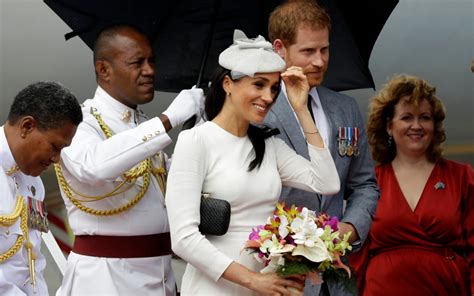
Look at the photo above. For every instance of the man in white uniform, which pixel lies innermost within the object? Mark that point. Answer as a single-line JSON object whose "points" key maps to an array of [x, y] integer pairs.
{"points": [[42, 120], [112, 177]]}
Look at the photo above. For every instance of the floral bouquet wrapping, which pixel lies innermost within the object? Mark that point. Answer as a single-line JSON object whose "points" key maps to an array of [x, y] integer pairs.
{"points": [[299, 241]]}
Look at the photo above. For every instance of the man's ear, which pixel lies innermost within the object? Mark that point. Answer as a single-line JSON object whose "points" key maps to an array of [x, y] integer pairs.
{"points": [[103, 70], [279, 48], [27, 124]]}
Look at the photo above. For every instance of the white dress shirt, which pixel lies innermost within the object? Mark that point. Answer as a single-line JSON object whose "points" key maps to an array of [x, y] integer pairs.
{"points": [[14, 272]]}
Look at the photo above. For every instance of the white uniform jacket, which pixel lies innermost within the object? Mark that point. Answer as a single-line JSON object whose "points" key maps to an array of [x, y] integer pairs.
{"points": [[14, 272], [93, 165]]}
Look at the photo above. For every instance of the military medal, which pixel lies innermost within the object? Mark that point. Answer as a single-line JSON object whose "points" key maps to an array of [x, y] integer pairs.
{"points": [[341, 141], [31, 214], [356, 141], [349, 150], [44, 217], [37, 215]]}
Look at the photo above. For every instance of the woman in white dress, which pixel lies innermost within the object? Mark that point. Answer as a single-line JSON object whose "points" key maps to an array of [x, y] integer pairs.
{"points": [[232, 159]]}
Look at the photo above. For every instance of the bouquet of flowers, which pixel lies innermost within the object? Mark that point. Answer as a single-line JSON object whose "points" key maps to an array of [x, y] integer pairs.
{"points": [[299, 241]]}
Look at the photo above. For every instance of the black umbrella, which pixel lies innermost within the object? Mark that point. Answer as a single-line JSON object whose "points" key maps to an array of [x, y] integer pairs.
{"points": [[188, 45], [188, 35], [356, 26], [87, 17]]}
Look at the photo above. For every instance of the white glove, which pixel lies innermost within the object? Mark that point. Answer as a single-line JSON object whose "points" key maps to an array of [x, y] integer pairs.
{"points": [[189, 102]]}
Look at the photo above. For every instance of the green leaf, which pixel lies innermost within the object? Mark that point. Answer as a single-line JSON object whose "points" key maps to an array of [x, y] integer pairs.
{"points": [[340, 276], [296, 267]]}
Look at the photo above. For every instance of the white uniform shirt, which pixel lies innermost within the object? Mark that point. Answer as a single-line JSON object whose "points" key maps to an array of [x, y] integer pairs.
{"points": [[93, 165], [14, 272]]}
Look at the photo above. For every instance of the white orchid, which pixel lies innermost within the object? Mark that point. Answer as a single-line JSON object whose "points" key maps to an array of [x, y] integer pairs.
{"points": [[305, 231], [274, 246], [266, 245], [307, 237], [316, 252], [283, 228], [276, 260], [299, 241], [308, 214], [258, 258]]}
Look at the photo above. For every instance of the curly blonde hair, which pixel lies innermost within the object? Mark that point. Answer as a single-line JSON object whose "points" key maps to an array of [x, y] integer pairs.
{"points": [[381, 111]]}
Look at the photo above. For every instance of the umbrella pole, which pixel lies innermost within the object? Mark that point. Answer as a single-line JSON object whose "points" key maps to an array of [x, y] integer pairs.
{"points": [[192, 121]]}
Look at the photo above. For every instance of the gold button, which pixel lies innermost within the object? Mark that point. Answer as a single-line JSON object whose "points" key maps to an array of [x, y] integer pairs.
{"points": [[7, 232], [144, 139], [157, 133]]}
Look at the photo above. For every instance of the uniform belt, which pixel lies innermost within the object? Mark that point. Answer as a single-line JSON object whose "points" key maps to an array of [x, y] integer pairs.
{"points": [[123, 246]]}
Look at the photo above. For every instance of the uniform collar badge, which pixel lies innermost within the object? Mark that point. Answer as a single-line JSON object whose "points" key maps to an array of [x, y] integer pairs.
{"points": [[12, 170], [126, 116]]}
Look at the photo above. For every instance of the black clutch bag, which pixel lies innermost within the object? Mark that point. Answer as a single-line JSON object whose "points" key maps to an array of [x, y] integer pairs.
{"points": [[215, 215]]}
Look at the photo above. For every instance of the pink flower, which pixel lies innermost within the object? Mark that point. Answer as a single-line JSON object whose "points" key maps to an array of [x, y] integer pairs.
{"points": [[301, 237], [254, 235], [332, 222]]}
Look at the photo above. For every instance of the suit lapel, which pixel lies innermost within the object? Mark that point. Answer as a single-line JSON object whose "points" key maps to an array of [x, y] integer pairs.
{"points": [[334, 117], [290, 125]]}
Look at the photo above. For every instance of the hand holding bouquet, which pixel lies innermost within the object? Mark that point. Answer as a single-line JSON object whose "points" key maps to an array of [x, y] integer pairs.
{"points": [[299, 241]]}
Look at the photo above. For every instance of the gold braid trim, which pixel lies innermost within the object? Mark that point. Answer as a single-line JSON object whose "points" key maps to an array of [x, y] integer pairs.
{"points": [[135, 172], [143, 169], [24, 228], [10, 219], [160, 173], [69, 193]]}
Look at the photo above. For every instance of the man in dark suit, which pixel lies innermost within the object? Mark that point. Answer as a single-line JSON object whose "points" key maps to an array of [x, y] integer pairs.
{"points": [[299, 31]]}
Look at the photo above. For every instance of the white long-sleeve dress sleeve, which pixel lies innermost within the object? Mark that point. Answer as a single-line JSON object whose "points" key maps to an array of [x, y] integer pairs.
{"points": [[208, 159]]}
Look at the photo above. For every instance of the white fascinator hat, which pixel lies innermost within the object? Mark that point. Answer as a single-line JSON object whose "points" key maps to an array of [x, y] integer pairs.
{"points": [[247, 56]]}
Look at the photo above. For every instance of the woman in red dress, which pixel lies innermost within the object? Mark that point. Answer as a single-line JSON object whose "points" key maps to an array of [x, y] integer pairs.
{"points": [[422, 237]]}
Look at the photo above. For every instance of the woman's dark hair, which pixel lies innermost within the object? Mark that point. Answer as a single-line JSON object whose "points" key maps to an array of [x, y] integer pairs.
{"points": [[215, 98]]}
